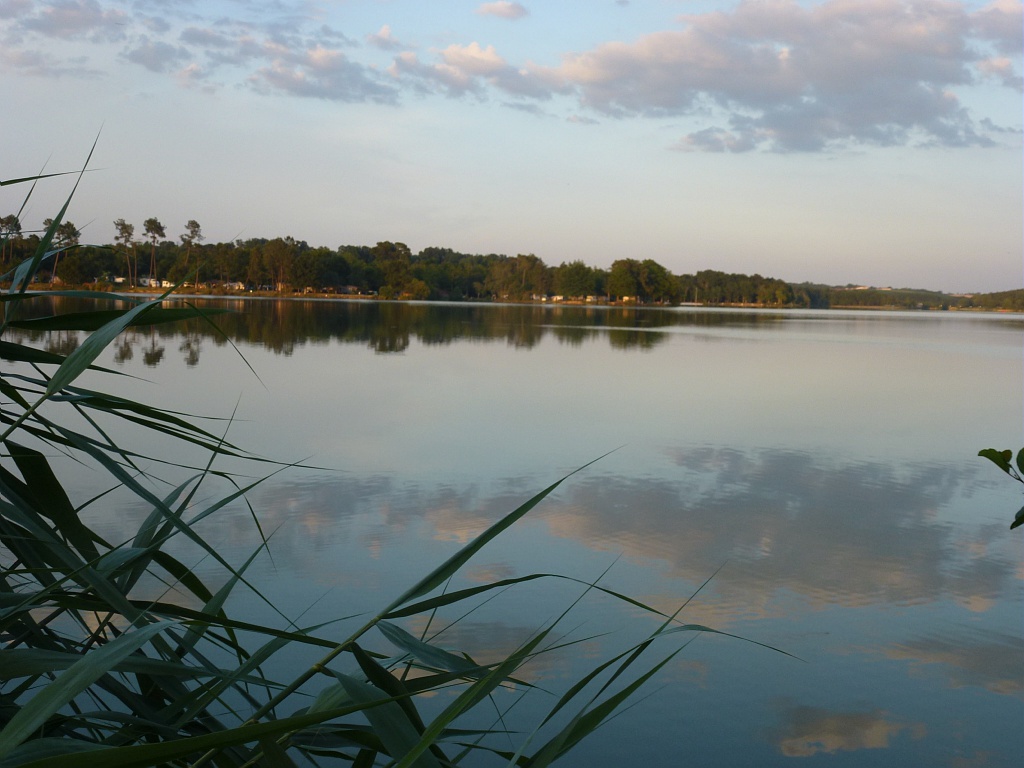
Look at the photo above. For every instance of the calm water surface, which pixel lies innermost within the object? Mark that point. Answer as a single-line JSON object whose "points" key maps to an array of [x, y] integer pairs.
{"points": [[821, 466]]}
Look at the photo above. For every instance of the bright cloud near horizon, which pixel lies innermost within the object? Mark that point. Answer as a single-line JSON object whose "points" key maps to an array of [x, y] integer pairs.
{"points": [[837, 141]]}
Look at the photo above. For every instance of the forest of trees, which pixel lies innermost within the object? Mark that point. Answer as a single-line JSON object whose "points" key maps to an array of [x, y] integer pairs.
{"points": [[390, 270]]}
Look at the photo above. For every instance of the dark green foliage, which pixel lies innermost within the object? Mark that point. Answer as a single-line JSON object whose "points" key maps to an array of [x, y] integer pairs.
{"points": [[391, 270], [1014, 468]]}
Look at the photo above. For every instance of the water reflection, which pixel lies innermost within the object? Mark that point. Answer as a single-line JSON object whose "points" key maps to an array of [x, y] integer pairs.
{"points": [[822, 461], [854, 535], [838, 533], [387, 327], [990, 660], [810, 730]]}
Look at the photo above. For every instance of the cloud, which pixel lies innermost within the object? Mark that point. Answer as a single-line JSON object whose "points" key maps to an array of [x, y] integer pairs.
{"points": [[1001, 23], [989, 661], [322, 73], [70, 19], [205, 38], [383, 39], [503, 10], [769, 75], [795, 78], [42, 65], [194, 76], [772, 75], [811, 730], [745, 508], [469, 68], [11, 9], [1001, 68], [717, 140], [156, 56]]}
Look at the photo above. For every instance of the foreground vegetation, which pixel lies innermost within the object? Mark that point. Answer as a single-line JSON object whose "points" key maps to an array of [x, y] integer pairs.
{"points": [[116, 653], [391, 270]]}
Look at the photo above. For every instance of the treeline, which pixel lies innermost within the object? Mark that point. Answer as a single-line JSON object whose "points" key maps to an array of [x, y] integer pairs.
{"points": [[390, 270]]}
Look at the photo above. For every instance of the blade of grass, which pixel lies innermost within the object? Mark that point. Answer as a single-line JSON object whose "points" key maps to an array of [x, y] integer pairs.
{"points": [[71, 683]]}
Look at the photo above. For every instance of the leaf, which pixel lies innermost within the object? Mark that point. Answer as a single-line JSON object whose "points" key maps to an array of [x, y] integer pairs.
{"points": [[389, 722], [274, 755], [1018, 519], [472, 696], [430, 655], [1020, 460], [1000, 458], [38, 749], [23, 179], [79, 676], [49, 498], [162, 753], [19, 353]]}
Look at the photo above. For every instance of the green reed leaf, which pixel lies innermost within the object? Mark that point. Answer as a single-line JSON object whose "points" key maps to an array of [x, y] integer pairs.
{"points": [[69, 684]]}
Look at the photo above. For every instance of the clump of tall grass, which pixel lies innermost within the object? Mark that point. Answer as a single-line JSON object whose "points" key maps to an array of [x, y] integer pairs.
{"points": [[92, 669]]}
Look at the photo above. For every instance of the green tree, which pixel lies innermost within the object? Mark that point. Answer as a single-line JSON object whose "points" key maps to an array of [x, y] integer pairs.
{"points": [[533, 276], [575, 280], [10, 230], [394, 262], [656, 282], [76, 268], [125, 238], [193, 237], [154, 231], [278, 259], [64, 237], [623, 279]]}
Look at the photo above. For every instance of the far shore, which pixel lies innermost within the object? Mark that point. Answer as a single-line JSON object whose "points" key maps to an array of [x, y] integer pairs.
{"points": [[597, 302]]}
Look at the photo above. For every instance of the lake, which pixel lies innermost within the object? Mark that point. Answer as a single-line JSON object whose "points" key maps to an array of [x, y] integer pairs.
{"points": [[818, 469]]}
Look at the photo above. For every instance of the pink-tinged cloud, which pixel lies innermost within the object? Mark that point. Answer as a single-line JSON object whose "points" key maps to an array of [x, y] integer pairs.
{"points": [[790, 77], [1002, 22], [384, 40], [470, 68], [321, 73], [70, 19], [503, 10]]}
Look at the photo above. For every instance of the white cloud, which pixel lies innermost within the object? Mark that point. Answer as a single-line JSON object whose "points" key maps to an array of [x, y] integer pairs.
{"points": [[503, 9], [789, 77], [321, 73], [1002, 69], [1001, 22], [474, 60], [193, 76], [764, 74], [471, 68], [384, 40]]}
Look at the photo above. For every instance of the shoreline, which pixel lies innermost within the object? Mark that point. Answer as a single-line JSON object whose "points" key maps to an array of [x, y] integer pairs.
{"points": [[289, 296]]}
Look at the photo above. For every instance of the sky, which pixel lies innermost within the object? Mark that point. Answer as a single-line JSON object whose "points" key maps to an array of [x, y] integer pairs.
{"points": [[874, 142]]}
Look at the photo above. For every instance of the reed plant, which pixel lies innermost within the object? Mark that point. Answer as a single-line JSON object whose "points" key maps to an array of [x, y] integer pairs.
{"points": [[95, 671]]}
